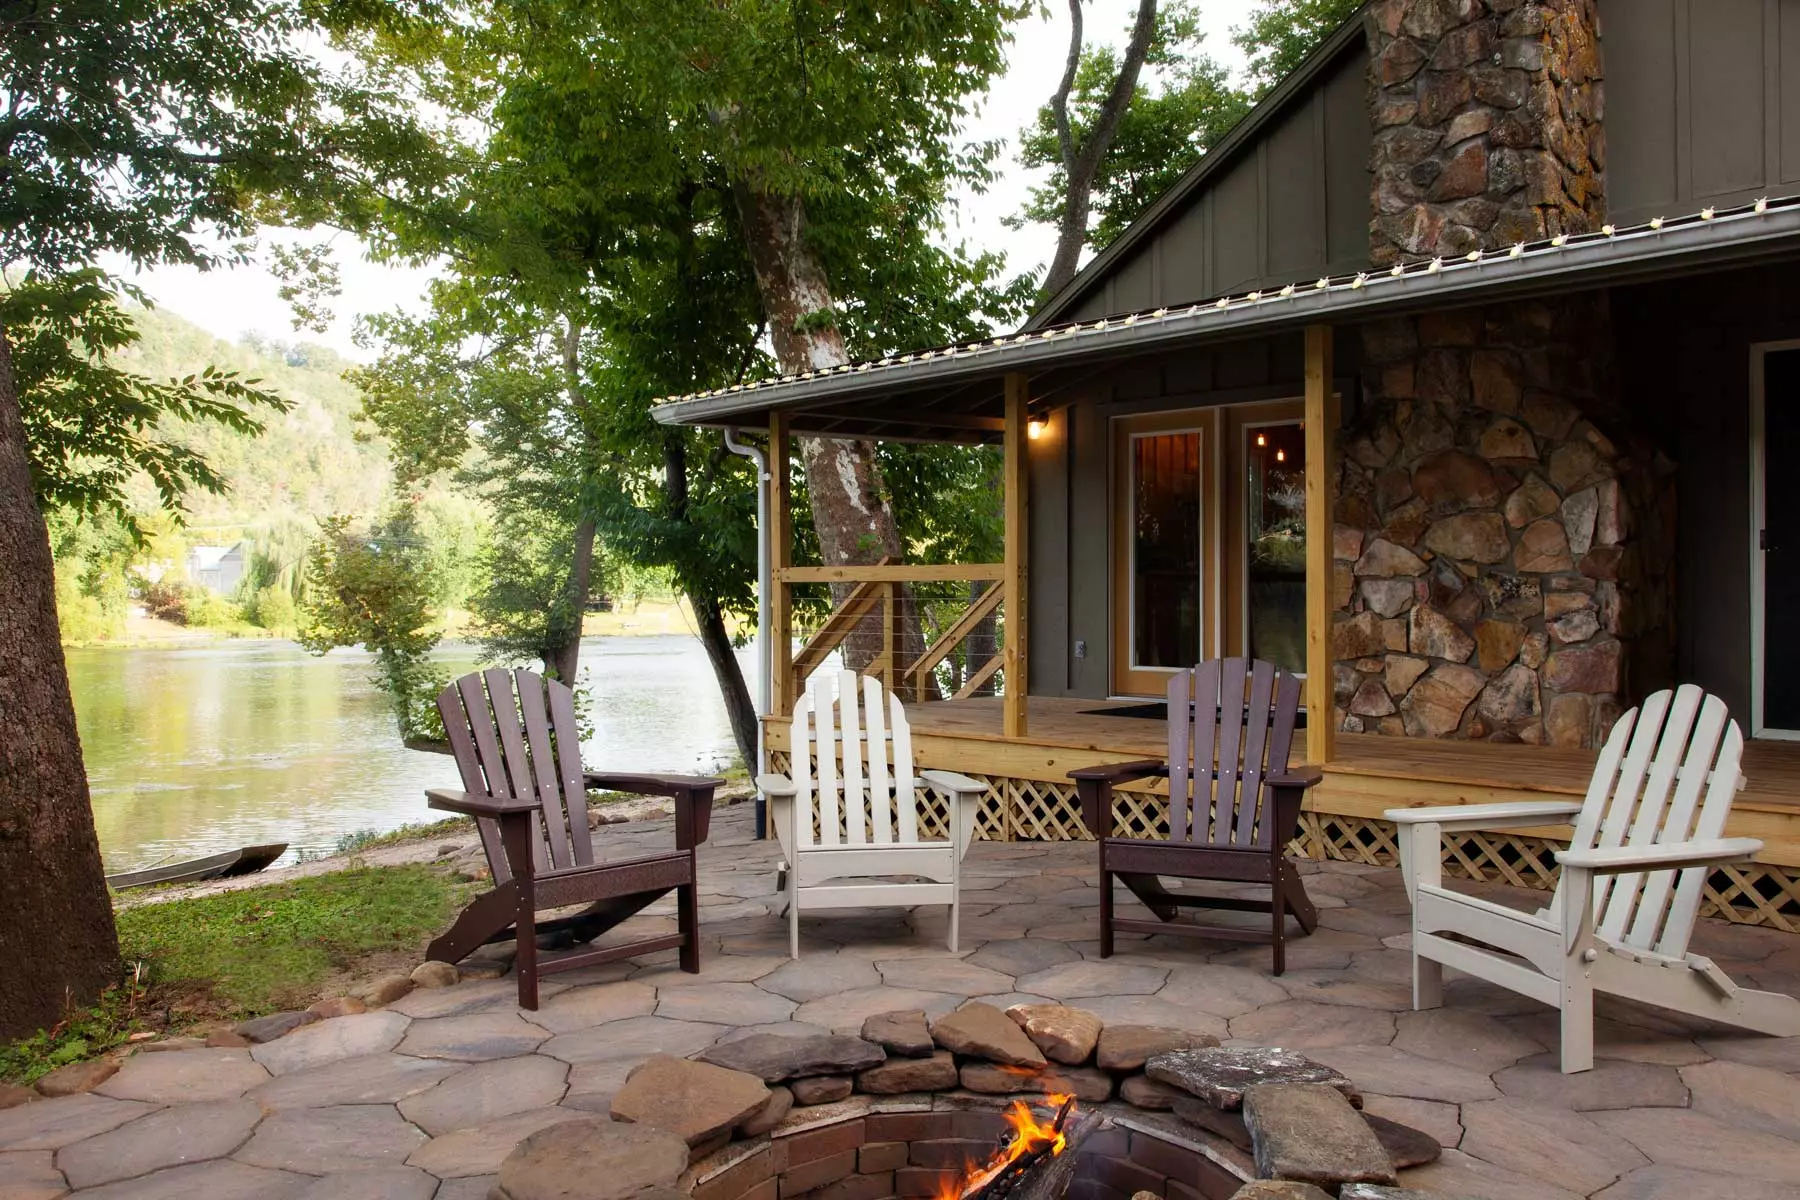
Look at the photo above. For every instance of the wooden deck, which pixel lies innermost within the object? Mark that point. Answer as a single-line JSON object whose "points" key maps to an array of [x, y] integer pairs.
{"points": [[1369, 774]]}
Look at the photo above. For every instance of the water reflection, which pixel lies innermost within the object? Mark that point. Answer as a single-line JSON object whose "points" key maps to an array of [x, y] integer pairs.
{"points": [[198, 749]]}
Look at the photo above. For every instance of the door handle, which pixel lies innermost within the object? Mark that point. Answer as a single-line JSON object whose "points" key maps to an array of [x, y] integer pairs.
{"points": [[1764, 541]]}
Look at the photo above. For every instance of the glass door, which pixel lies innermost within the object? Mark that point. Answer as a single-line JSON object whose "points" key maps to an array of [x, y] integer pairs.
{"points": [[1162, 548], [1272, 462]]}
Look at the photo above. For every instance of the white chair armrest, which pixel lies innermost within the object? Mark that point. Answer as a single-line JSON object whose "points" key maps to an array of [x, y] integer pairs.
{"points": [[949, 782], [1614, 859], [1461, 817], [775, 785]]}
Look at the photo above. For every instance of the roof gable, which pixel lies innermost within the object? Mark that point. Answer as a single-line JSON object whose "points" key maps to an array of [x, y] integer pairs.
{"points": [[1284, 195]]}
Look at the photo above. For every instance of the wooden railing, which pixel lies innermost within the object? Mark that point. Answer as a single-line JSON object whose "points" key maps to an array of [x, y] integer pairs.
{"points": [[912, 649]]}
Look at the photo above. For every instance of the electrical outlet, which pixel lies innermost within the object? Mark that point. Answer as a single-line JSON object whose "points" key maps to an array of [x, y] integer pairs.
{"points": [[1080, 649]]}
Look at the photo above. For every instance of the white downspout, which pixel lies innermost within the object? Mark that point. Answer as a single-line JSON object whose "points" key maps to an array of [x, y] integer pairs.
{"points": [[764, 581]]}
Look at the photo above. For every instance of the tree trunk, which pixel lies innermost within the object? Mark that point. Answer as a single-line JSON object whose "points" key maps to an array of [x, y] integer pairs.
{"points": [[57, 943], [729, 673], [1082, 164], [850, 508], [564, 659]]}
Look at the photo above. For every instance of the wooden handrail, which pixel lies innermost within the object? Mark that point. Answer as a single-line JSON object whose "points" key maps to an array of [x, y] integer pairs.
{"points": [[896, 573], [952, 637], [836, 628]]}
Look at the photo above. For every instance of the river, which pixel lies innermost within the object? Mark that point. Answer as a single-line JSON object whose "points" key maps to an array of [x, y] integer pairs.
{"points": [[196, 749]]}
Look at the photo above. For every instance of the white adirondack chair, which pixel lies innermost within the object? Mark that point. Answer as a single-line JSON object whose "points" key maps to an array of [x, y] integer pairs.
{"points": [[847, 832], [1650, 828]]}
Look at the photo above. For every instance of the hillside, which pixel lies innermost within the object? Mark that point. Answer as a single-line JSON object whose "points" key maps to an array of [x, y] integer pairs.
{"points": [[308, 463]]}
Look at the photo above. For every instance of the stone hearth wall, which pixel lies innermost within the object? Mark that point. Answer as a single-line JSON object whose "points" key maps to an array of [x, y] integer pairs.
{"points": [[1487, 124], [1495, 510]]}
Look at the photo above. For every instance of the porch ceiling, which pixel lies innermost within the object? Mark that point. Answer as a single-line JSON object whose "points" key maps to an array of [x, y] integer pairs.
{"points": [[956, 393]]}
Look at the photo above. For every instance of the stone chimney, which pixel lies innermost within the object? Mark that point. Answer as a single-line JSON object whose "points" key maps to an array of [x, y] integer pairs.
{"points": [[1502, 537], [1487, 124]]}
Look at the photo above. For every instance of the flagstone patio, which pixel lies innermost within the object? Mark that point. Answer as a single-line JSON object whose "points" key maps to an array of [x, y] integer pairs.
{"points": [[424, 1098]]}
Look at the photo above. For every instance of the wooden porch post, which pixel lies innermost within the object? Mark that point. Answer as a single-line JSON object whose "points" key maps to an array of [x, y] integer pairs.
{"points": [[1321, 431], [781, 556], [1018, 511]]}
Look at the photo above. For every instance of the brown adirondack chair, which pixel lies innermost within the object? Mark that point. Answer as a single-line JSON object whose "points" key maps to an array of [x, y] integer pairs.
{"points": [[1233, 806], [514, 737]]}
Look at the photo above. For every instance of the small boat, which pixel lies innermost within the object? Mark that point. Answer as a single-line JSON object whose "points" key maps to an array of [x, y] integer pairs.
{"points": [[246, 860]]}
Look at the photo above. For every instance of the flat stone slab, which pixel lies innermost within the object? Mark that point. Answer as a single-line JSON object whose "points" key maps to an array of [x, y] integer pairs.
{"points": [[1065, 1035], [383, 1183], [1613, 1083], [1023, 956], [696, 1101], [1074, 979], [486, 1092], [724, 1003], [983, 1031], [1129, 1047], [320, 1141], [467, 998], [633, 1038], [221, 1179], [1220, 1075], [1396, 1073], [900, 1075], [1469, 1039], [905, 1033], [1305, 1025], [1562, 1148], [822, 1089], [185, 1077], [1406, 1146], [368, 1079], [954, 975], [187, 1133], [1221, 990], [477, 1037], [480, 1150], [597, 1004], [267, 1029], [1308, 1132], [1746, 1096], [53, 1124], [332, 1041], [993, 1079], [774, 1057], [848, 1010], [774, 1110], [567, 1160], [1141, 1091], [1218, 1122], [1278, 1189], [30, 1175]]}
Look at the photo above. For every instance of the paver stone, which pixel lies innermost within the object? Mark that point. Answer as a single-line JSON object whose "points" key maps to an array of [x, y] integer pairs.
{"points": [[696, 1100], [267, 1029], [566, 1160], [1071, 980], [954, 975], [367, 1079], [809, 978], [904, 1033], [186, 1133], [481, 1150], [185, 1077], [221, 1179], [320, 1141], [724, 1004], [30, 1175], [476, 1037], [332, 1041], [383, 1183], [53, 1124], [486, 1092], [1562, 1148], [1747, 1097], [1613, 1083], [597, 1004], [634, 1038], [774, 1057]]}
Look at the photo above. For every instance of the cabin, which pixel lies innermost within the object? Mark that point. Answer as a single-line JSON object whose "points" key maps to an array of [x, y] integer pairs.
{"points": [[218, 569], [1458, 377]]}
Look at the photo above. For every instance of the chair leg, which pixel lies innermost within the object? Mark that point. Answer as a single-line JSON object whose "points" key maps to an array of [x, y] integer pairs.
{"points": [[793, 914], [1577, 1022], [1106, 910], [955, 918], [1278, 921], [1428, 981], [687, 907]]}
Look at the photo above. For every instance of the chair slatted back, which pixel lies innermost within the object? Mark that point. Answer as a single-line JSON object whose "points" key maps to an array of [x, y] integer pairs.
{"points": [[513, 734], [1239, 714], [847, 792], [1668, 773]]}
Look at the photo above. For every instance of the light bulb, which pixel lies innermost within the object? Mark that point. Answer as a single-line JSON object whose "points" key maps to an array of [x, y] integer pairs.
{"points": [[1034, 429], [1281, 456], [1262, 439]]}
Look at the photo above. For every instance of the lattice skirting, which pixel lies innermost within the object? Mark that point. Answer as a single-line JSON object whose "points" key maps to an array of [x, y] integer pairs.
{"points": [[1016, 810]]}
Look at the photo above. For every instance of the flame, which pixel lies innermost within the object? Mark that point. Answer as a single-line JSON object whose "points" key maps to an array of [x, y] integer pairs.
{"points": [[1029, 1136]]}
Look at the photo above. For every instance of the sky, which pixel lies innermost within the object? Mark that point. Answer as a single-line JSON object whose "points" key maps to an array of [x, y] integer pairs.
{"points": [[231, 303]]}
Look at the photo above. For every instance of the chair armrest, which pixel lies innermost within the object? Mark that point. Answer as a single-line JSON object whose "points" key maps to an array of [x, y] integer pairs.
{"points": [[1125, 772], [1614, 859], [776, 785], [1295, 777], [478, 804], [950, 783], [693, 797], [1458, 817]]}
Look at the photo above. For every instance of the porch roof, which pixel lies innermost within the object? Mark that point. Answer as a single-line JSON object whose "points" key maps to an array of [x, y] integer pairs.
{"points": [[956, 392]]}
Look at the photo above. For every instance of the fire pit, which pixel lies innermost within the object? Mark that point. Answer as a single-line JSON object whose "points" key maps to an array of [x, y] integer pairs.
{"points": [[963, 1148]]}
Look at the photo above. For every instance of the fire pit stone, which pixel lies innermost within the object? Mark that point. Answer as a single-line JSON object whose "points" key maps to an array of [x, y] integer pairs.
{"points": [[1084, 1083], [1129, 1047], [1064, 1034], [982, 1031], [1309, 1132], [822, 1089], [695, 1100], [905, 1033], [775, 1057], [635, 1162], [900, 1075], [1220, 1075]]}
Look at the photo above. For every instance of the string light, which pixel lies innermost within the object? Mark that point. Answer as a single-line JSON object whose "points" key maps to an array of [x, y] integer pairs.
{"points": [[1262, 439], [1281, 456]]}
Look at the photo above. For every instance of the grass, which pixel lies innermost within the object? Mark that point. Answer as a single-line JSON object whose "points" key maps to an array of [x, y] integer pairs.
{"points": [[369, 839], [86, 1033], [261, 949]]}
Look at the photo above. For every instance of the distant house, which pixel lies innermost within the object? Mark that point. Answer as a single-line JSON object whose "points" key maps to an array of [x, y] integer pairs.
{"points": [[217, 568]]}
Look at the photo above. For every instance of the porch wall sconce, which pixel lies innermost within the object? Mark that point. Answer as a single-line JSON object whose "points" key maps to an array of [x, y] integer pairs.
{"points": [[1034, 428]]}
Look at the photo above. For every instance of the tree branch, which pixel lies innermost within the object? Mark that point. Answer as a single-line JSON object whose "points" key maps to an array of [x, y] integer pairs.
{"points": [[1059, 103], [1085, 165]]}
